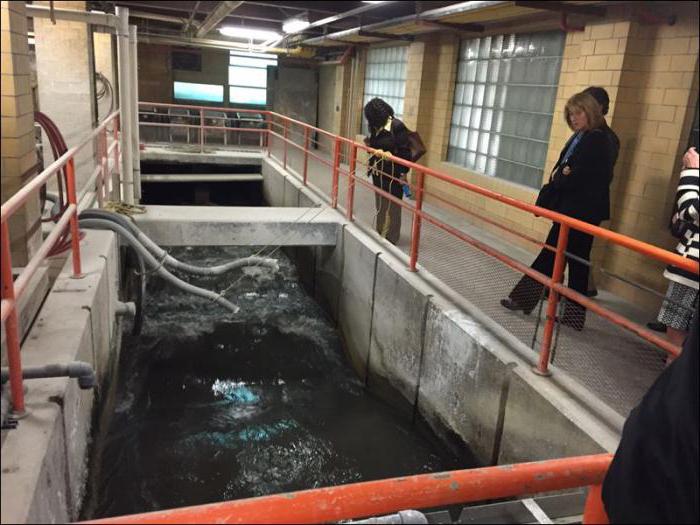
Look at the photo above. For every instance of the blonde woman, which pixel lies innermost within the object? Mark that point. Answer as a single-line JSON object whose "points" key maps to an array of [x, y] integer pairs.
{"points": [[578, 187]]}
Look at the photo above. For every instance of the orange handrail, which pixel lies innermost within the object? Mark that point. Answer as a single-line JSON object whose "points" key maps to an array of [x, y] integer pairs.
{"points": [[556, 289], [12, 290], [372, 498]]}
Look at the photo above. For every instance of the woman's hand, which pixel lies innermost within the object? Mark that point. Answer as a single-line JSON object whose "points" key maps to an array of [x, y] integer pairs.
{"points": [[690, 159], [382, 153]]}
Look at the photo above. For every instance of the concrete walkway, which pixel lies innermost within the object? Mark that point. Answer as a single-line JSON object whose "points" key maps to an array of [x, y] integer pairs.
{"points": [[614, 364]]}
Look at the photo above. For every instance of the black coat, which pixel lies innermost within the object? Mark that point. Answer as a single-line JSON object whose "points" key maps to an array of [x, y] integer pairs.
{"points": [[396, 142], [585, 194], [654, 474]]}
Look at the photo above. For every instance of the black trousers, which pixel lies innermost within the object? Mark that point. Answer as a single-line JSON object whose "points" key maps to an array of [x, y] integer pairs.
{"points": [[528, 291]]}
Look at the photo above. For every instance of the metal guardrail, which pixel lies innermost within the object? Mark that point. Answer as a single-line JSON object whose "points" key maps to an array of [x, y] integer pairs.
{"points": [[283, 128], [372, 498], [12, 291]]}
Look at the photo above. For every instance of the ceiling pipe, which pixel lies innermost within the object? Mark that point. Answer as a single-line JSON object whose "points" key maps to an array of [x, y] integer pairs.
{"points": [[432, 14], [154, 16], [217, 15], [190, 20], [216, 44], [340, 16], [72, 15]]}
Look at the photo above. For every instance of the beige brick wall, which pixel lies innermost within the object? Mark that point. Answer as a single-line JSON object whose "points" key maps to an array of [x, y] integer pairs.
{"points": [[16, 113], [650, 72]]}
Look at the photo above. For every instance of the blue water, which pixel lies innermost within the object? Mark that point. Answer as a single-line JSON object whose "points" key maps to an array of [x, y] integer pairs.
{"points": [[212, 406]]}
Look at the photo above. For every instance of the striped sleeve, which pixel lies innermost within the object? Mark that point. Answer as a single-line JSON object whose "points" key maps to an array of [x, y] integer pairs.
{"points": [[688, 196]]}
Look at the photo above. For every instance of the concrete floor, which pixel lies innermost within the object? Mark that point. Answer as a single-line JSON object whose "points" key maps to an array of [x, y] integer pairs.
{"points": [[617, 366]]}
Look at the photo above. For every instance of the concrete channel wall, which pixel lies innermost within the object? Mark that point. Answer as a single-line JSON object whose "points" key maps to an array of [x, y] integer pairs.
{"points": [[438, 353], [44, 460]]}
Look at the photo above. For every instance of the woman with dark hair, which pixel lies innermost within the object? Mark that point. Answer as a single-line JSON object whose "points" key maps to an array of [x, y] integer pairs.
{"points": [[388, 136], [579, 189]]}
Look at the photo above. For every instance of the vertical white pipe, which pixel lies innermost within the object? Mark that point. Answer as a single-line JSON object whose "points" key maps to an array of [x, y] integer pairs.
{"points": [[135, 135], [125, 110]]}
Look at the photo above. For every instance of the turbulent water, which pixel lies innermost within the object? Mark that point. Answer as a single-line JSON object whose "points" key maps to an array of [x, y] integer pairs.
{"points": [[213, 406]]}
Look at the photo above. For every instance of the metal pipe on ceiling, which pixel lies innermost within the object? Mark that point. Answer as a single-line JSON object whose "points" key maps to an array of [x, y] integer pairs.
{"points": [[154, 16], [341, 16], [147, 38], [217, 15], [72, 15], [190, 20], [432, 14]]}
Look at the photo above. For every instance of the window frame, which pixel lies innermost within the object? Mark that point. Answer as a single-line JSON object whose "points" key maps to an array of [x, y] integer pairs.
{"points": [[485, 70]]}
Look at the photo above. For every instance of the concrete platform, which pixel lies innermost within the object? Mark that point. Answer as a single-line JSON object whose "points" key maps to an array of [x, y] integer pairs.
{"points": [[240, 156], [239, 226]]}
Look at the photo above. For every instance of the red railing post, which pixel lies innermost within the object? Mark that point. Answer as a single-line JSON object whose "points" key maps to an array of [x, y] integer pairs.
{"points": [[351, 181], [116, 188], [14, 358], [594, 510], [415, 230], [102, 159], [74, 230], [559, 260], [201, 131], [268, 142], [336, 173], [286, 132], [306, 153]]}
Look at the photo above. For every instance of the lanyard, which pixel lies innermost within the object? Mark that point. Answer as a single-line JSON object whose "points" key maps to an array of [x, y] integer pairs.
{"points": [[572, 147]]}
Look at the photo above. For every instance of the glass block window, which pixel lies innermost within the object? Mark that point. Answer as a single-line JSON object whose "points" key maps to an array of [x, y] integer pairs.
{"points": [[247, 77], [201, 92], [504, 98], [385, 77]]}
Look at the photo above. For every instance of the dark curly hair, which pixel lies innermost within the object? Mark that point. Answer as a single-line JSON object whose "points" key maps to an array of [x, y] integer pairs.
{"points": [[601, 97], [377, 112]]}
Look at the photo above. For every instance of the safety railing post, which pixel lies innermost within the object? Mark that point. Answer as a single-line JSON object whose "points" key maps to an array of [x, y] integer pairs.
{"points": [[336, 173], [14, 359], [268, 136], [542, 367], [351, 182], [286, 133], [74, 230], [201, 131], [116, 195], [415, 230], [102, 159], [306, 153], [594, 509]]}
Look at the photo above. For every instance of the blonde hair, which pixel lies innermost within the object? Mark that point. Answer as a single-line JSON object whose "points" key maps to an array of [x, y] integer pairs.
{"points": [[586, 103]]}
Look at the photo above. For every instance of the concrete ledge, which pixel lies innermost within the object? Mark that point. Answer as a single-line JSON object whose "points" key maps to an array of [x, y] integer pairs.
{"points": [[238, 226], [468, 376], [153, 153], [44, 459]]}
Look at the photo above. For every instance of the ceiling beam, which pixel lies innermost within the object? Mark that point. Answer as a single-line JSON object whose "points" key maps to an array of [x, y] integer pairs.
{"points": [[217, 15], [385, 36], [346, 14], [467, 28], [561, 7]]}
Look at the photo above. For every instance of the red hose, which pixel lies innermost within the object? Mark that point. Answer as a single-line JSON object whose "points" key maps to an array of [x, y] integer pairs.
{"points": [[58, 148]]}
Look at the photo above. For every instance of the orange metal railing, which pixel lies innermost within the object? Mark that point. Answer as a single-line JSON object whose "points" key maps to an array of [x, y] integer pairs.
{"points": [[281, 128], [372, 498], [12, 291]]}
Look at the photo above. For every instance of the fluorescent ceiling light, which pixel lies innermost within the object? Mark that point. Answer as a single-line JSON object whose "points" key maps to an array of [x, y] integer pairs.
{"points": [[373, 2], [249, 33], [294, 25]]}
